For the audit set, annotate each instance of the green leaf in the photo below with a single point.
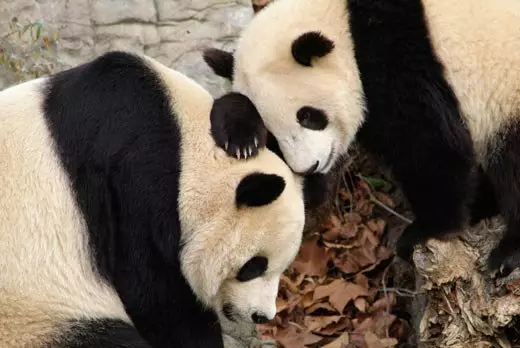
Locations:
(376, 183)
(38, 32)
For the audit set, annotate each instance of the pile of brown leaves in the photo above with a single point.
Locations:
(334, 295)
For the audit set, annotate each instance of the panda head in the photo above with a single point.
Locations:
(245, 237)
(295, 62)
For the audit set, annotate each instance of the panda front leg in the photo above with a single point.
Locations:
(236, 126)
(503, 169)
(437, 178)
(439, 201)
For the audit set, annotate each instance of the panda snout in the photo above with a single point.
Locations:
(259, 318)
(311, 170)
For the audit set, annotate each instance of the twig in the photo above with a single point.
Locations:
(383, 283)
(373, 199)
(401, 292)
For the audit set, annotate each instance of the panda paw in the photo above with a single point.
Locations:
(505, 257)
(236, 126)
(407, 241)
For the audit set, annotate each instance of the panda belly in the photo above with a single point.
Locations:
(484, 71)
(46, 277)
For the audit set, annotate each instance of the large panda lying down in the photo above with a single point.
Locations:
(101, 167)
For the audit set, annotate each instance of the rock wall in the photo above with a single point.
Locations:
(172, 31)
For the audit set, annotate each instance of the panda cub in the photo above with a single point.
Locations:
(122, 223)
(431, 87)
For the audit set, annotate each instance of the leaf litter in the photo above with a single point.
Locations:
(331, 294)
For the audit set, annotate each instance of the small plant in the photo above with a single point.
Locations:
(28, 51)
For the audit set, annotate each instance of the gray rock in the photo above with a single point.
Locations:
(171, 31)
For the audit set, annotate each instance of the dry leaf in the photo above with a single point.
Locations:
(340, 293)
(311, 260)
(372, 340)
(337, 328)
(377, 226)
(361, 304)
(346, 263)
(341, 342)
(383, 198)
(317, 323)
(354, 218)
(322, 305)
(383, 303)
(349, 230)
(338, 246)
(281, 304)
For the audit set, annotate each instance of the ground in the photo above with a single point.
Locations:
(346, 288)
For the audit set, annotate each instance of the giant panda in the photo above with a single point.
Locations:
(101, 168)
(431, 87)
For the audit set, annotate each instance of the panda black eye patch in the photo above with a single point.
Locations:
(312, 118)
(252, 269)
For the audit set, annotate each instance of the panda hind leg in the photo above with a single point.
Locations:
(504, 172)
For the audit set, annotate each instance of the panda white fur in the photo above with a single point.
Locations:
(430, 86)
(101, 167)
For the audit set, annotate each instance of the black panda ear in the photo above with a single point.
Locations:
(258, 5)
(220, 61)
(311, 44)
(258, 189)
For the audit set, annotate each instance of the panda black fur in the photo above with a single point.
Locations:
(101, 167)
(430, 86)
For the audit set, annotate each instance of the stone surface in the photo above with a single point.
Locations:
(172, 31)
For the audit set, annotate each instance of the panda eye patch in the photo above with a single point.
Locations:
(312, 118)
(252, 269)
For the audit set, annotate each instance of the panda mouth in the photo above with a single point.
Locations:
(329, 159)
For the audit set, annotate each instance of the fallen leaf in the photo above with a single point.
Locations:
(311, 260)
(317, 323)
(372, 340)
(361, 280)
(385, 199)
(336, 328)
(340, 293)
(346, 263)
(321, 305)
(349, 230)
(281, 304)
(377, 226)
(383, 303)
(361, 304)
(308, 300)
(338, 246)
(340, 342)
(367, 235)
(354, 218)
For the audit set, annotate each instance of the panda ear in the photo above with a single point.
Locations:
(309, 45)
(258, 5)
(220, 61)
(258, 189)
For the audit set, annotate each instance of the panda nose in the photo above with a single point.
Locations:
(259, 318)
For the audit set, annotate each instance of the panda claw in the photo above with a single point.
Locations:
(250, 151)
(256, 142)
(238, 153)
(226, 145)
